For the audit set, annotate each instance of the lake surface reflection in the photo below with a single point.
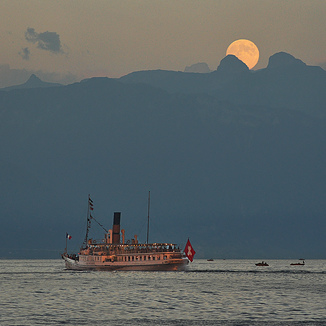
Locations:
(221, 292)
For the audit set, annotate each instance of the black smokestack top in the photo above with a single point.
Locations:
(116, 228)
(116, 218)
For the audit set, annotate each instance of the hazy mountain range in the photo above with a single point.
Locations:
(234, 159)
(32, 82)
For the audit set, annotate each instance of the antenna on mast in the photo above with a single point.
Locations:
(149, 201)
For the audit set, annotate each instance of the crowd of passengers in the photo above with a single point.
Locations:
(97, 248)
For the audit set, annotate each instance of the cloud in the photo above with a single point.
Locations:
(25, 53)
(49, 41)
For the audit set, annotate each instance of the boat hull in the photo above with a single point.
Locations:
(167, 265)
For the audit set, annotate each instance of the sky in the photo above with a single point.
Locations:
(69, 40)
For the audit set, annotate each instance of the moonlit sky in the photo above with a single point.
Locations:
(63, 40)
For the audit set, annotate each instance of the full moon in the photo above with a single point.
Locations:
(244, 50)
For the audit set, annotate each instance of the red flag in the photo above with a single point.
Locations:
(189, 251)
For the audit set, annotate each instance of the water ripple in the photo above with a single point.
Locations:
(219, 293)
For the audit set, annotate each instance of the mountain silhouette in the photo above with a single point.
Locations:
(284, 60)
(200, 67)
(231, 65)
(286, 82)
(234, 159)
(32, 82)
(179, 82)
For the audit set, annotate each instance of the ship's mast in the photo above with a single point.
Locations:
(89, 208)
(149, 201)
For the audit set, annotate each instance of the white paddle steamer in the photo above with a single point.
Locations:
(114, 253)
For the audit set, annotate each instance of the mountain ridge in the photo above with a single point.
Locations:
(243, 177)
(32, 82)
(285, 82)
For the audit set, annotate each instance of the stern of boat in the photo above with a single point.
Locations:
(69, 262)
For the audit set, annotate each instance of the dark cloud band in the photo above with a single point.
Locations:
(49, 41)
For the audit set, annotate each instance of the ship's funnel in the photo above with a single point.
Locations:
(116, 228)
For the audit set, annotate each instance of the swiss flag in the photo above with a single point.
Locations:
(189, 251)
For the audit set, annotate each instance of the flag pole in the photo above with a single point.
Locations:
(66, 243)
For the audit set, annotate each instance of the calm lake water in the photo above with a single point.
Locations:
(222, 292)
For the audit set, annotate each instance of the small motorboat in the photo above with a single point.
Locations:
(263, 263)
(211, 259)
(298, 264)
